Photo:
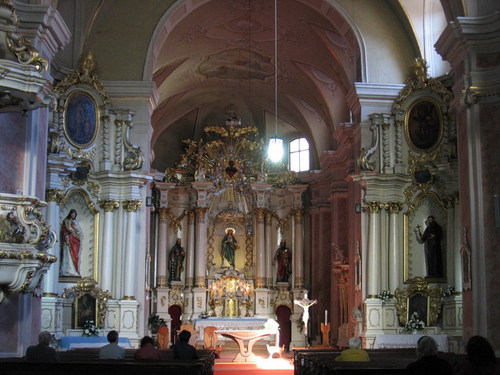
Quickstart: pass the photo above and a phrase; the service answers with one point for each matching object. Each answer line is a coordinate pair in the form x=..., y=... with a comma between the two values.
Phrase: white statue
x=305, y=303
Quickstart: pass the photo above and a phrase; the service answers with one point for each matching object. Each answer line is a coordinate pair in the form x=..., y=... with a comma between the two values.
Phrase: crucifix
x=305, y=303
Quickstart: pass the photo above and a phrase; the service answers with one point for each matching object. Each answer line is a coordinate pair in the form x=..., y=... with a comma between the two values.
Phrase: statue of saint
x=283, y=259
x=432, y=245
x=176, y=261
x=71, y=237
x=228, y=247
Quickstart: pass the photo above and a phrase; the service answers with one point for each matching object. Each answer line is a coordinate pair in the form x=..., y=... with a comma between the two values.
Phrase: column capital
x=132, y=205
x=373, y=207
x=394, y=207
x=54, y=195
x=163, y=213
x=109, y=205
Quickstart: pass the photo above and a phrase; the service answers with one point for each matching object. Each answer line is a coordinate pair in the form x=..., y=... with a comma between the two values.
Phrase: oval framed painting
x=424, y=125
x=80, y=119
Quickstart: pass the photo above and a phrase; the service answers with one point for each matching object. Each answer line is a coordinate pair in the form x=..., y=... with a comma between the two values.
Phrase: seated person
x=182, y=349
x=42, y=352
x=354, y=353
x=147, y=350
x=112, y=350
x=428, y=362
x=480, y=358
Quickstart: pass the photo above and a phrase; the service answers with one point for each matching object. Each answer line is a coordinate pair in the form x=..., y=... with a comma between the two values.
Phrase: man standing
x=112, y=350
x=432, y=240
x=283, y=258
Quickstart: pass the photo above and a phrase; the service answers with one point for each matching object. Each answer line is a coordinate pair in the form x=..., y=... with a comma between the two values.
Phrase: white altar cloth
x=407, y=341
x=241, y=324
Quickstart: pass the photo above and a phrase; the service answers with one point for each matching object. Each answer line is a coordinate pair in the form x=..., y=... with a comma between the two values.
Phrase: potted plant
x=155, y=322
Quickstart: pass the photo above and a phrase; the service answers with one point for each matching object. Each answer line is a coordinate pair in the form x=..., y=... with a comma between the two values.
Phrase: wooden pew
x=85, y=361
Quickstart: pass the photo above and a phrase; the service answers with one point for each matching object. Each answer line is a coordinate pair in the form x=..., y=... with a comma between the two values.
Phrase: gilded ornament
x=54, y=195
x=132, y=205
x=109, y=205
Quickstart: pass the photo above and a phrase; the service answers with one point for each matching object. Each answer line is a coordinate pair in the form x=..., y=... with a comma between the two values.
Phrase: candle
x=326, y=317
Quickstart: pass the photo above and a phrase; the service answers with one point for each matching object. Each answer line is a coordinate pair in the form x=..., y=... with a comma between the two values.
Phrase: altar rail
x=388, y=361
x=85, y=361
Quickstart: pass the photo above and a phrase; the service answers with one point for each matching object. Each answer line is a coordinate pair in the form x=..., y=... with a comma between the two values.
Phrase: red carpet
x=265, y=366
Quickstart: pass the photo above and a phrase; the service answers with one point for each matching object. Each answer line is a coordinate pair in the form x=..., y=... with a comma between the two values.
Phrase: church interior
x=327, y=164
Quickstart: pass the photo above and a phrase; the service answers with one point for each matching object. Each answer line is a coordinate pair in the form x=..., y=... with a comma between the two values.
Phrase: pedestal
x=128, y=320
x=51, y=319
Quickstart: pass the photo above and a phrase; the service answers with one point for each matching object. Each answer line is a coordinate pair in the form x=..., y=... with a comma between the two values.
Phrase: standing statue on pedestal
x=176, y=261
x=228, y=247
x=432, y=245
x=283, y=258
x=71, y=238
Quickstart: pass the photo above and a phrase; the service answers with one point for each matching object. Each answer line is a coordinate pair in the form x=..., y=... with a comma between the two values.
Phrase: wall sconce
x=358, y=208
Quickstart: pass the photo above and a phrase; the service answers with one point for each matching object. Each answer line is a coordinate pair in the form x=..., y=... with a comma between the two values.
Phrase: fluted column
x=190, y=250
x=109, y=206
x=394, y=245
x=298, y=248
x=373, y=249
x=260, y=279
x=53, y=197
x=161, y=267
x=269, y=248
x=201, y=240
x=130, y=248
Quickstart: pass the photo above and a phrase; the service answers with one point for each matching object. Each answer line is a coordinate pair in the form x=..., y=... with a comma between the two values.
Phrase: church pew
x=85, y=361
x=385, y=361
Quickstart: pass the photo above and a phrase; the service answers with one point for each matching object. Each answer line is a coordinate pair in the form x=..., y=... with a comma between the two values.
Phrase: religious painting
x=78, y=237
x=418, y=303
x=81, y=119
x=425, y=240
x=86, y=309
x=424, y=125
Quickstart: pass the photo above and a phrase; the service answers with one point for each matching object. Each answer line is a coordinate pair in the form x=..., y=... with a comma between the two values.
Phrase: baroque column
x=260, y=280
x=109, y=206
x=132, y=206
x=298, y=247
x=269, y=249
x=373, y=286
x=190, y=250
x=394, y=245
x=161, y=278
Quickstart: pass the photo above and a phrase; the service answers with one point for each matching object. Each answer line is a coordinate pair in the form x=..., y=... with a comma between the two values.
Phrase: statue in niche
x=175, y=261
x=283, y=260
x=432, y=244
x=71, y=237
x=228, y=247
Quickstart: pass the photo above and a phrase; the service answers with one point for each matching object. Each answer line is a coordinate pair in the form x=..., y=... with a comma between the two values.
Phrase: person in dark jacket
x=480, y=358
x=42, y=352
x=182, y=349
x=428, y=362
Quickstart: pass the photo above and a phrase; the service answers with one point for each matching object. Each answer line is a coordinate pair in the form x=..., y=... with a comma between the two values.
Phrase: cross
x=305, y=303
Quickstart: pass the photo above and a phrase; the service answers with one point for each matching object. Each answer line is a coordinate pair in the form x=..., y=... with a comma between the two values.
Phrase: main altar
x=219, y=216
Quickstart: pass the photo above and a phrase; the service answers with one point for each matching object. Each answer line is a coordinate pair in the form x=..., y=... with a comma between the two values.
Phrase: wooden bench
x=383, y=361
x=85, y=361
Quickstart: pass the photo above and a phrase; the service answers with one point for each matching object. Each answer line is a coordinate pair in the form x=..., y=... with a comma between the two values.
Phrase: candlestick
x=326, y=317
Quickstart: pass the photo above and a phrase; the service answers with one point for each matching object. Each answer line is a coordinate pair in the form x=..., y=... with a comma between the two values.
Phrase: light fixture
x=275, y=148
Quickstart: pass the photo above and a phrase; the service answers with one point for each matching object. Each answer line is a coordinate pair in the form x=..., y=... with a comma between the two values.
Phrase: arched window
x=299, y=155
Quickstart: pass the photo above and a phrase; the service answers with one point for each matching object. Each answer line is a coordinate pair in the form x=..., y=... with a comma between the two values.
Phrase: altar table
x=237, y=324
x=72, y=342
x=249, y=338
x=408, y=341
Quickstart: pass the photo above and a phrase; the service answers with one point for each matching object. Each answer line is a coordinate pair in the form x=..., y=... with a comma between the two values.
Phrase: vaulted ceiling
x=213, y=59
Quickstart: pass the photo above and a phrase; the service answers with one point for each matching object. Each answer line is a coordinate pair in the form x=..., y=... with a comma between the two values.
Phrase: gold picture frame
x=419, y=296
x=424, y=124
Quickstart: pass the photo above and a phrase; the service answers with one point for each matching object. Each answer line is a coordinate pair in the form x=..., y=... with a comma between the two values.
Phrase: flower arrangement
x=385, y=296
x=448, y=292
x=90, y=329
x=414, y=323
